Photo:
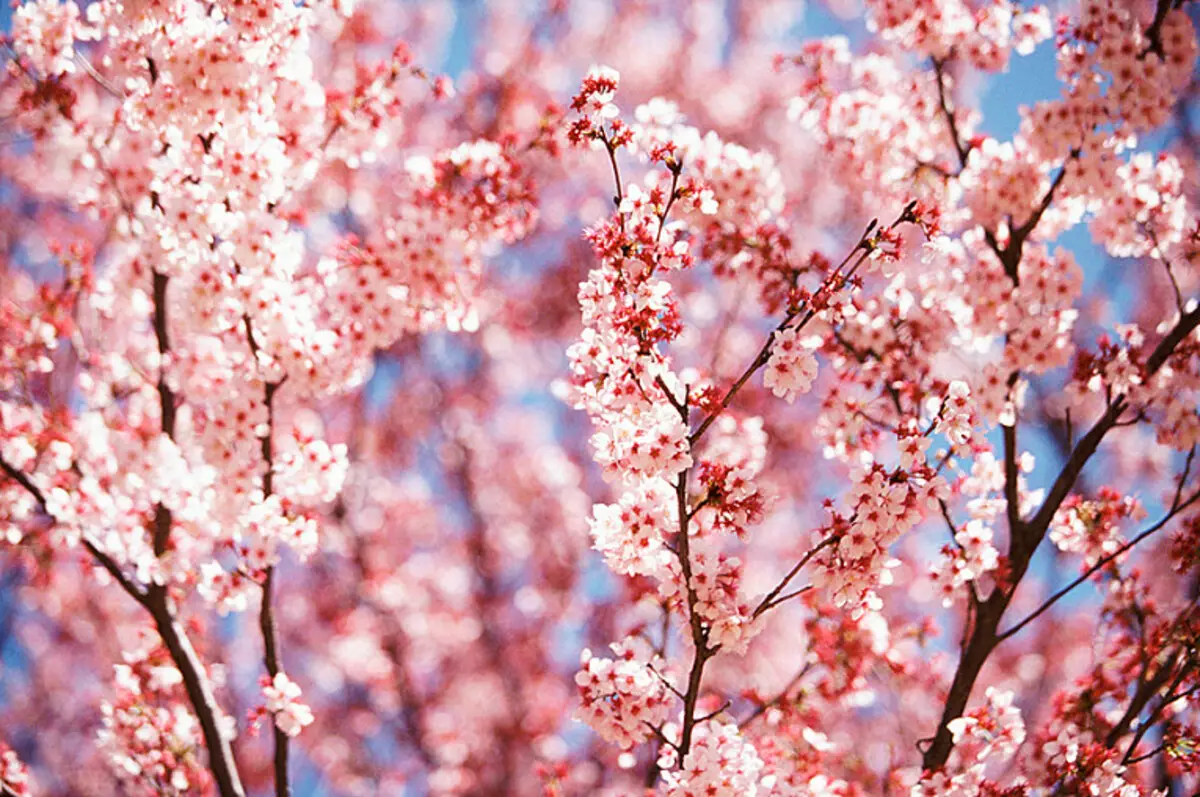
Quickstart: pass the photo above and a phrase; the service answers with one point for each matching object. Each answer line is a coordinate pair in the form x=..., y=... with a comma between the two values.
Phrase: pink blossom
x=282, y=696
x=792, y=368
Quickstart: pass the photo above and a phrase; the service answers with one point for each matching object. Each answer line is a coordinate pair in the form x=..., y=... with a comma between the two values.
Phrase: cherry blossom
x=290, y=715
x=624, y=699
x=792, y=368
x=14, y=777
x=665, y=400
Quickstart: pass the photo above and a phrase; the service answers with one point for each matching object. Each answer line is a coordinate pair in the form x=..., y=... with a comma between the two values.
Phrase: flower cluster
x=418, y=269
x=984, y=38
x=717, y=594
x=313, y=472
x=1092, y=528
x=1148, y=215
x=45, y=32
x=973, y=556
x=14, y=776
x=956, y=415
x=623, y=376
x=991, y=733
x=282, y=696
x=265, y=525
x=993, y=730
x=594, y=105
x=632, y=534
x=1145, y=71
x=149, y=734
x=721, y=763
x=732, y=500
x=792, y=367
x=235, y=432
x=1042, y=316
x=1071, y=755
x=884, y=505
x=624, y=698
x=648, y=442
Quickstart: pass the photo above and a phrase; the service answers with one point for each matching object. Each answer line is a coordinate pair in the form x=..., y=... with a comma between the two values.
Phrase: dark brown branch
x=667, y=683
x=195, y=681
x=270, y=634
x=770, y=599
x=129, y=585
x=1090, y=441
x=166, y=400
x=1162, y=257
x=699, y=634
x=184, y=656
x=166, y=396
x=764, y=354
x=1186, y=326
x=676, y=169
x=1099, y=565
x=948, y=112
x=945, y=510
x=1027, y=536
x=266, y=613
x=23, y=480
x=616, y=170
x=1147, y=756
x=788, y=596
x=158, y=601
x=1154, y=32
x=715, y=712
x=1010, y=255
x=1142, y=698
x=652, y=776
x=702, y=652
x=680, y=408
x=1016, y=243
x=1012, y=497
x=978, y=646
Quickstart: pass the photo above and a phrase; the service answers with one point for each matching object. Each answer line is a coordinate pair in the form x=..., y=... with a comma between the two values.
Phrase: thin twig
x=778, y=699
x=179, y=647
x=769, y=600
x=715, y=712
x=1025, y=541
x=1099, y=565
x=947, y=112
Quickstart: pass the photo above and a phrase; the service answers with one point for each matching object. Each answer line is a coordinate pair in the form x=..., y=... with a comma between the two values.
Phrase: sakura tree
x=669, y=403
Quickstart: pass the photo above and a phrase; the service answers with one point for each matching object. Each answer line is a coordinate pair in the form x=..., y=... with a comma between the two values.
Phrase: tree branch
x=1154, y=32
x=770, y=599
x=158, y=601
x=1012, y=499
x=266, y=613
x=199, y=691
x=183, y=655
x=984, y=637
x=702, y=652
x=835, y=280
x=99, y=555
x=1099, y=565
x=947, y=112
